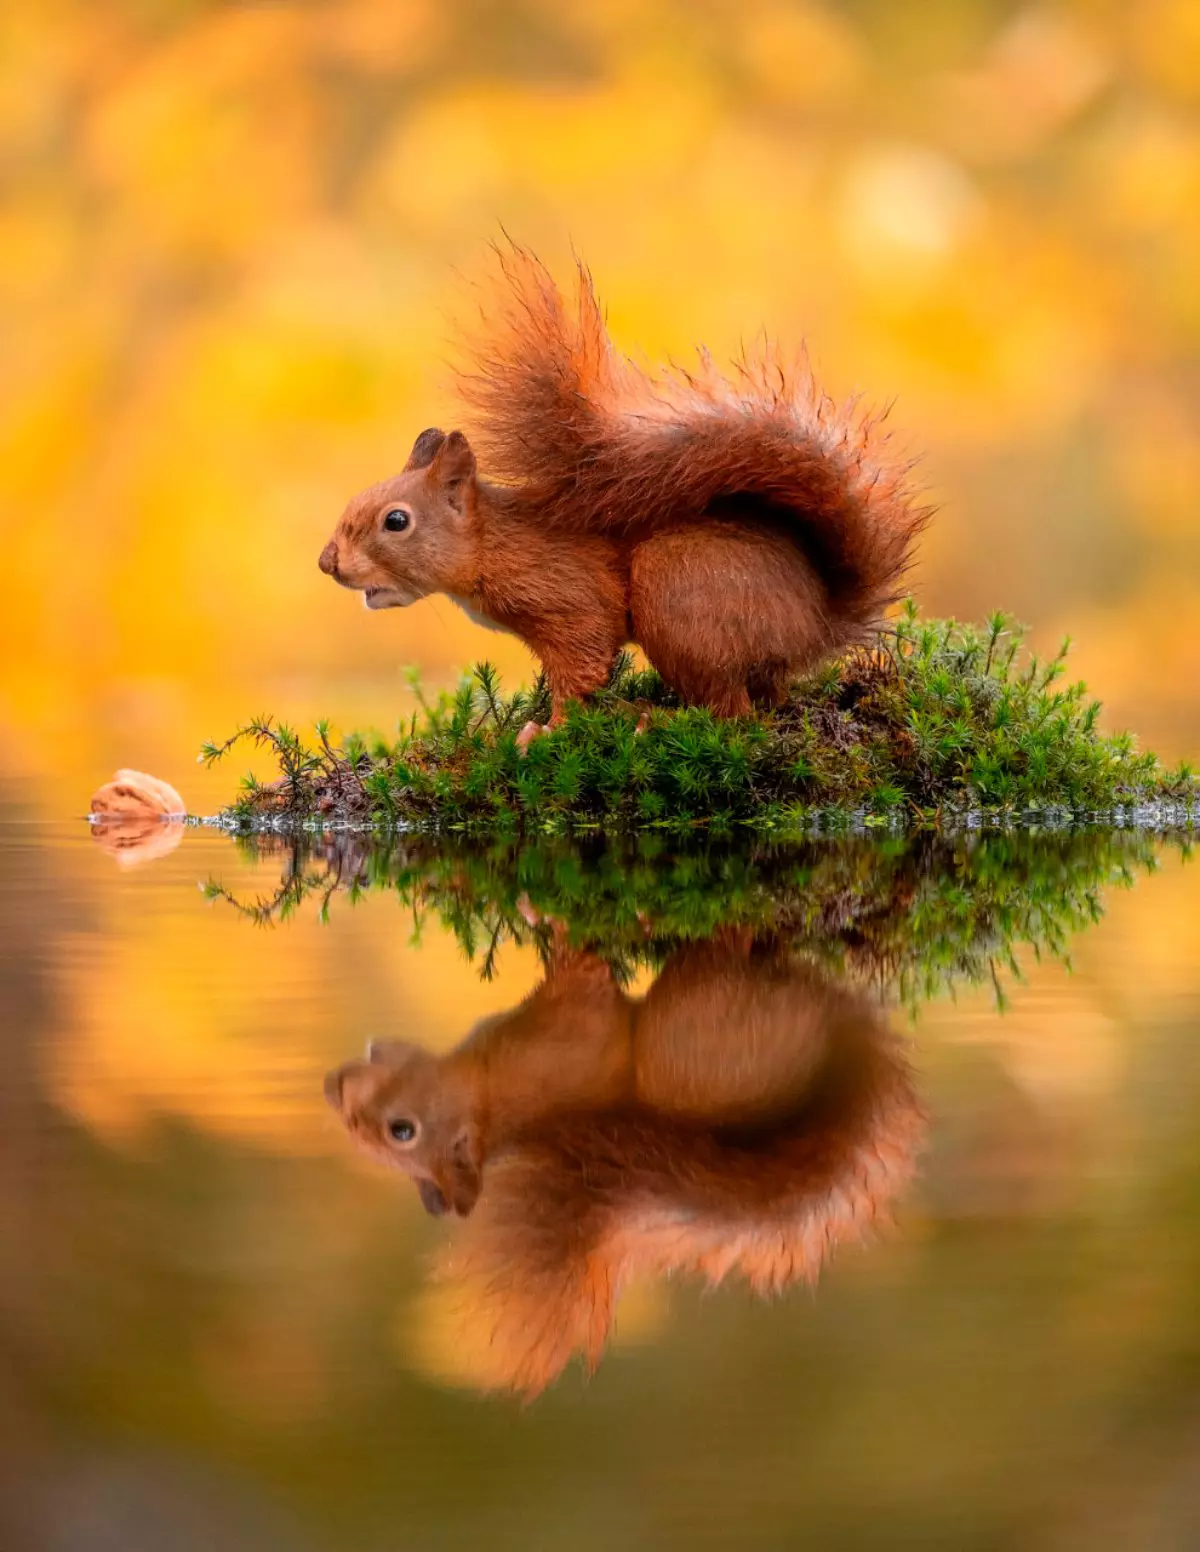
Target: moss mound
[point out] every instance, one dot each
(935, 717)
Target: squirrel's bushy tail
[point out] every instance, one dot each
(599, 444)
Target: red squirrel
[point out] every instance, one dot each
(738, 529)
(743, 1118)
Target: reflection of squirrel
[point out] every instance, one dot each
(737, 529)
(746, 1115)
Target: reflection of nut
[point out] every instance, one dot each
(137, 837)
(134, 795)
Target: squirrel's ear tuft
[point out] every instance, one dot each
(426, 448)
(453, 467)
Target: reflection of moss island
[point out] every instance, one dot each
(915, 914)
(936, 717)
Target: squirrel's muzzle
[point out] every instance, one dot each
(328, 560)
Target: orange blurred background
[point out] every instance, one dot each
(230, 237)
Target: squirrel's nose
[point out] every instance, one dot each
(328, 560)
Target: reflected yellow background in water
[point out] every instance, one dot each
(230, 238)
(208, 1294)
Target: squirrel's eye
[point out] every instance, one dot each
(402, 1131)
(397, 520)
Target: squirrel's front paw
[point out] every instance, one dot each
(529, 732)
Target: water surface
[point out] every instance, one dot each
(928, 1111)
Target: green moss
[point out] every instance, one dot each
(936, 716)
(916, 914)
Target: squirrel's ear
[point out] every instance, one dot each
(425, 449)
(335, 1084)
(453, 467)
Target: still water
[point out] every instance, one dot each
(863, 1175)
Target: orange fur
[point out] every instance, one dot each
(737, 528)
(744, 1118)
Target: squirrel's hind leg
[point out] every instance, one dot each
(768, 683)
(725, 612)
(724, 698)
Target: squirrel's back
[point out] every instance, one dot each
(597, 444)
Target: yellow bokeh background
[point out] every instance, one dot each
(231, 236)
